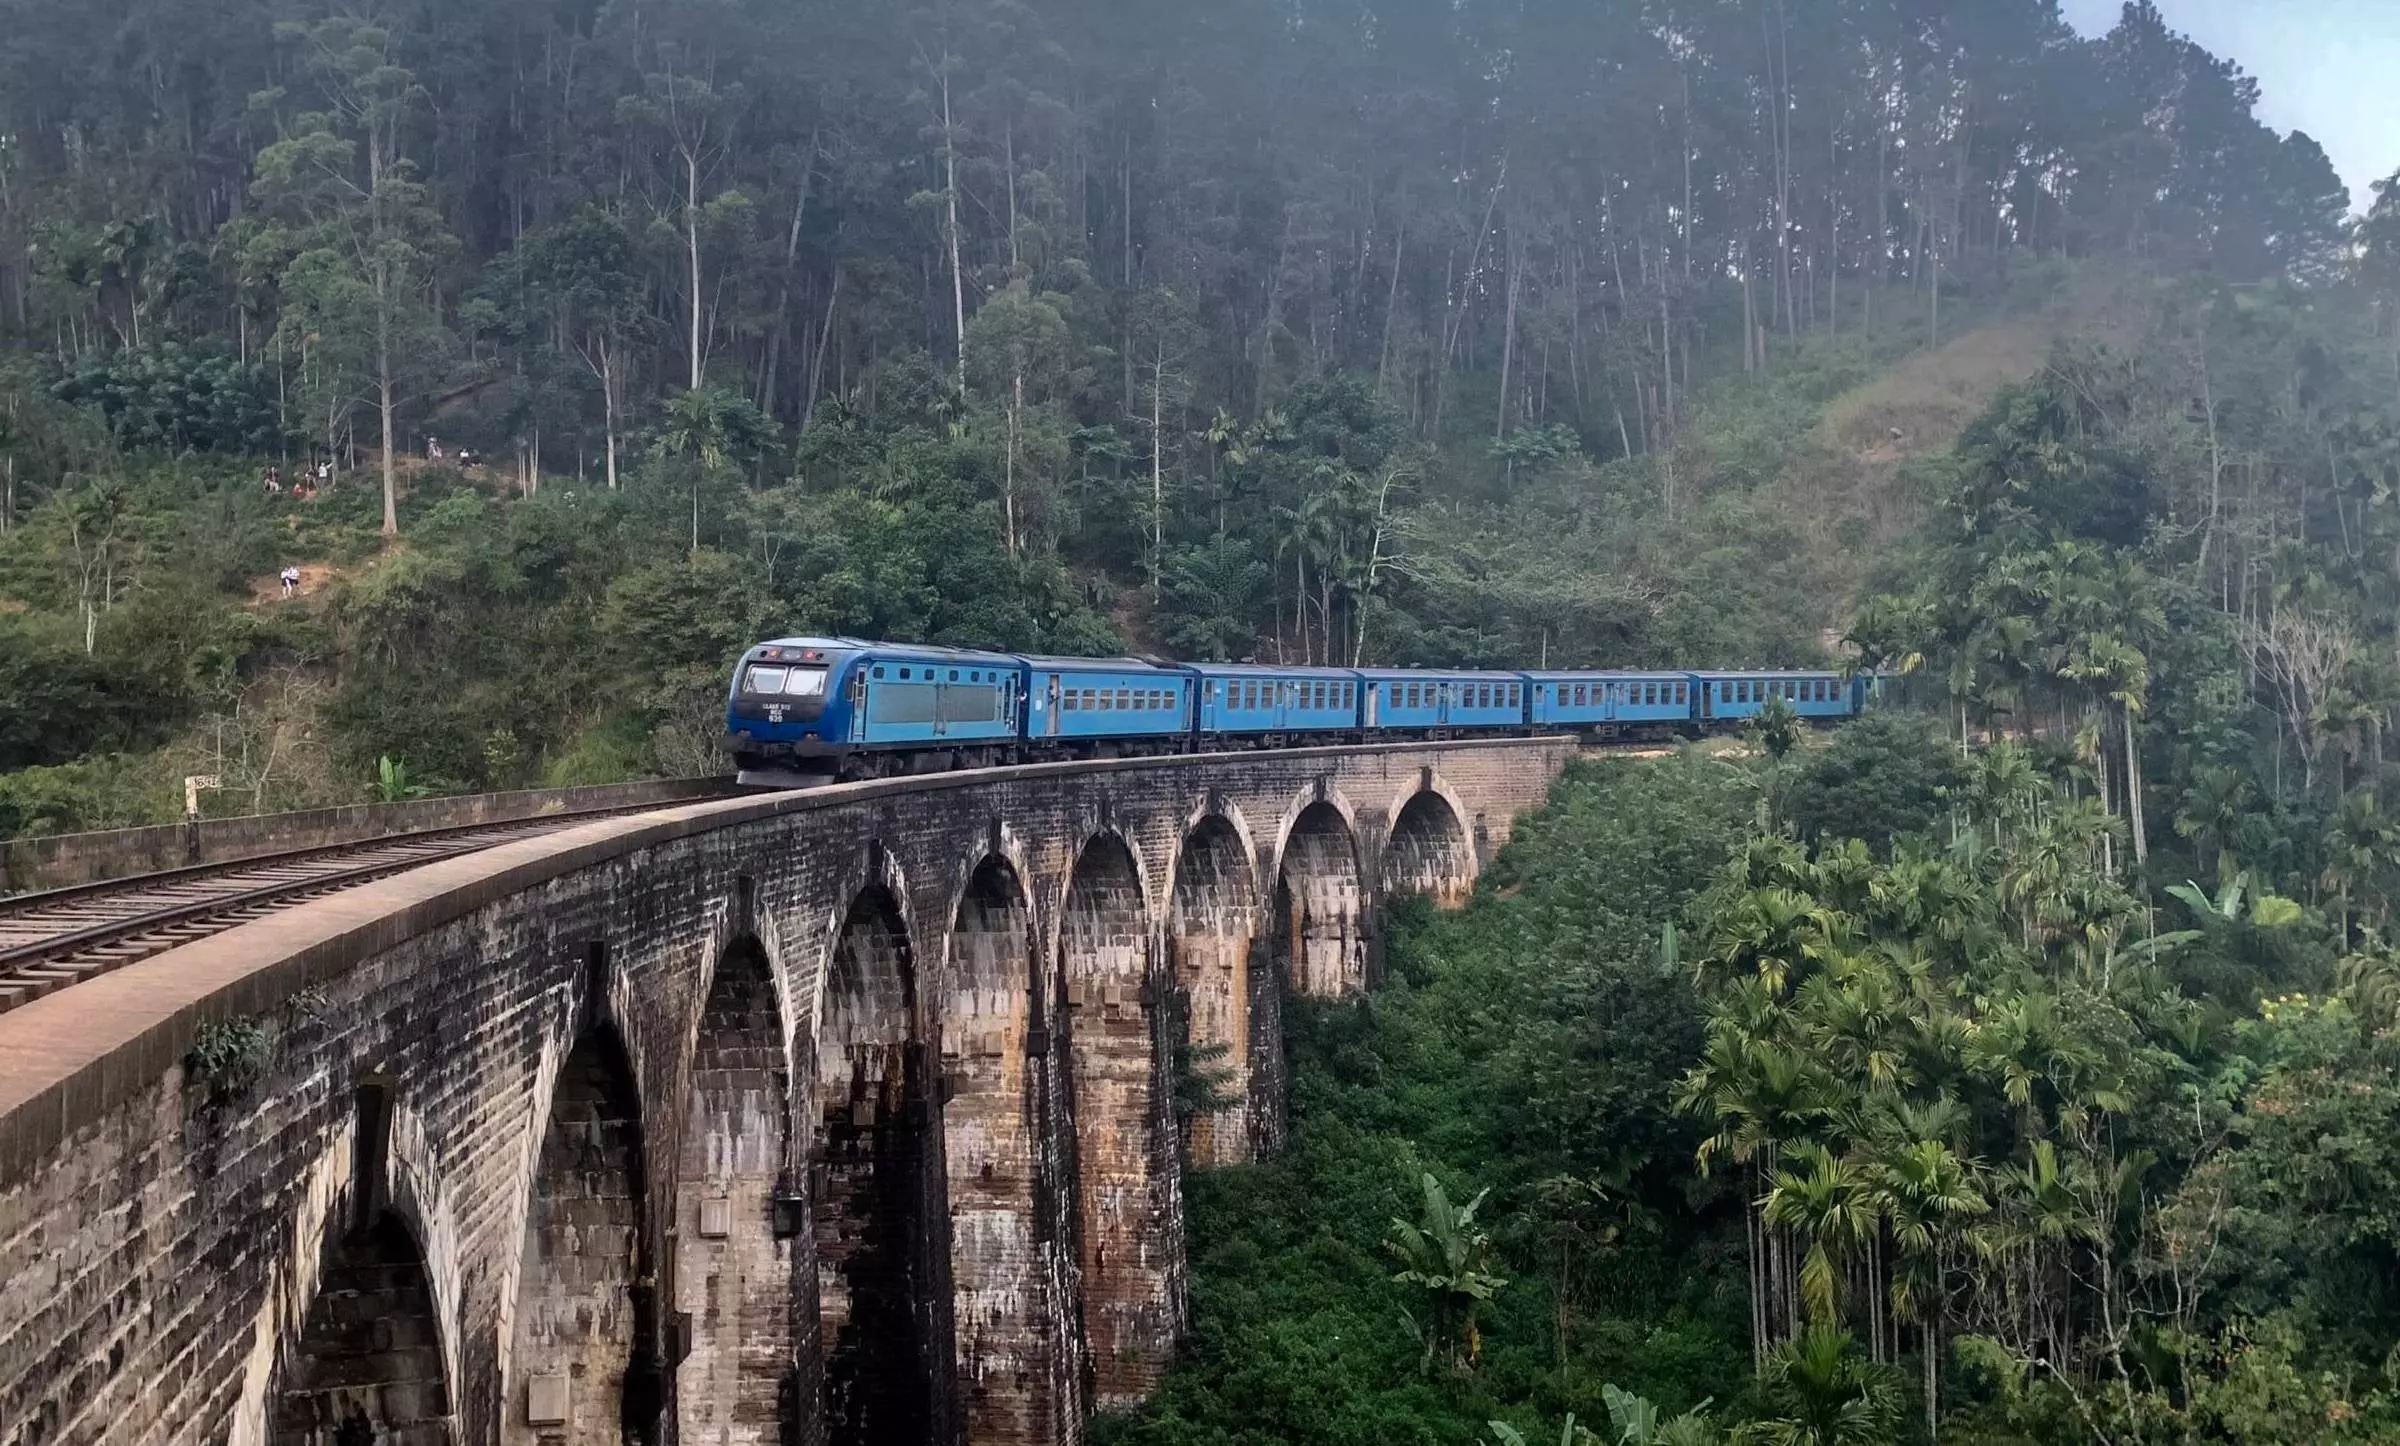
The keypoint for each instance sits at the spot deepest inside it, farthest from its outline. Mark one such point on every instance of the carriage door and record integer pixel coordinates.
(1051, 726)
(1374, 697)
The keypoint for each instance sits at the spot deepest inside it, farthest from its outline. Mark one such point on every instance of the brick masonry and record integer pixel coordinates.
(826, 1117)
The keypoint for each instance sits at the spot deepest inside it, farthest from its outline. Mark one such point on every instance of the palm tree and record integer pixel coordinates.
(1924, 1191)
(2360, 845)
(2212, 813)
(1828, 1203)
(1446, 1255)
(1824, 1394)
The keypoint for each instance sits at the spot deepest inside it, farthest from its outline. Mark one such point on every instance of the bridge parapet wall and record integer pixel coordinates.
(480, 1059)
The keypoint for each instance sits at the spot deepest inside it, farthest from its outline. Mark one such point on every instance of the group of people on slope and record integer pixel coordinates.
(308, 484)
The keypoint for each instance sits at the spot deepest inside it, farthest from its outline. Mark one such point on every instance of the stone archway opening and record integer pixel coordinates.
(1319, 910)
(733, 1266)
(881, 1259)
(1211, 919)
(1127, 1211)
(1008, 1265)
(1429, 853)
(367, 1367)
(581, 1371)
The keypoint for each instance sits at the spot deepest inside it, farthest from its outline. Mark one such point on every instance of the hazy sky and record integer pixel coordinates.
(2327, 67)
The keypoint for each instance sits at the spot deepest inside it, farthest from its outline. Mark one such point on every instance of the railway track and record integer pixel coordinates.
(61, 937)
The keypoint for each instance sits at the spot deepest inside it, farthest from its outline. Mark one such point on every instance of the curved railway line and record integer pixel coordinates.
(60, 937)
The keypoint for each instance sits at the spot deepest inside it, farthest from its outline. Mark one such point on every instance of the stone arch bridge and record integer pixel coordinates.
(854, 1115)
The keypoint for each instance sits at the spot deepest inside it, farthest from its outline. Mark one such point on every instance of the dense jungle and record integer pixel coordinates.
(2015, 1066)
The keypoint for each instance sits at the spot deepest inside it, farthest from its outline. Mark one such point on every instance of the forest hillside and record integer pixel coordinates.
(1426, 332)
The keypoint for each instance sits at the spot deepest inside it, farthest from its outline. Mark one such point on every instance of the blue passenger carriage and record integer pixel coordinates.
(816, 703)
(1611, 702)
(1416, 699)
(1242, 700)
(1733, 697)
(1081, 703)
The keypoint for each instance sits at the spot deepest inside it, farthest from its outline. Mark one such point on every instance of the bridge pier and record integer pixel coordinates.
(733, 1268)
(686, 1126)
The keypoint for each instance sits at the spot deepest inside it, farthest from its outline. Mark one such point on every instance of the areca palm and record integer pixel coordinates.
(2361, 845)
(1829, 1203)
(1924, 1191)
(1824, 1394)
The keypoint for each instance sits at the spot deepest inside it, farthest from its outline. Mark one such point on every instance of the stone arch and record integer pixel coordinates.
(1319, 913)
(876, 1189)
(369, 1365)
(1008, 1264)
(581, 1372)
(733, 1251)
(1212, 919)
(1128, 1211)
(1428, 851)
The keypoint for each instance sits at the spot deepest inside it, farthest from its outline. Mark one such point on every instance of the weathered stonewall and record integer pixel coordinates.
(842, 1116)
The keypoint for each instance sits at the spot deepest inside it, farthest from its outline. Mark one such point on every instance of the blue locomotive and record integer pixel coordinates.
(844, 707)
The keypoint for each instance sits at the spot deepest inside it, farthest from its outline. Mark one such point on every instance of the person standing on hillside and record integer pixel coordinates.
(291, 581)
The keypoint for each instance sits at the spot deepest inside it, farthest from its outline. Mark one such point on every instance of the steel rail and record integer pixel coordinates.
(61, 937)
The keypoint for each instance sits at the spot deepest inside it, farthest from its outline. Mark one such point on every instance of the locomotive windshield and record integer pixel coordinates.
(766, 680)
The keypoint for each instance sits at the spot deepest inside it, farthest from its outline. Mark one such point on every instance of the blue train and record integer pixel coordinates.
(841, 707)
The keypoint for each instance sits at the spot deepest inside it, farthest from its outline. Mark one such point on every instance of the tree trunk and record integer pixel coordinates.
(691, 244)
(608, 406)
(2133, 791)
(383, 406)
(1933, 1379)
(1508, 335)
(816, 369)
(958, 276)
(1008, 485)
(1158, 466)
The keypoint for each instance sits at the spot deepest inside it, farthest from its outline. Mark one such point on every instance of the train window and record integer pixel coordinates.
(954, 675)
(1091, 701)
(1683, 693)
(763, 680)
(1579, 687)
(1073, 705)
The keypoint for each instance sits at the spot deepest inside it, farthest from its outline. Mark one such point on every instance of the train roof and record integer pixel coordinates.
(902, 650)
(1268, 670)
(1404, 674)
(1098, 665)
(1569, 675)
(1767, 673)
